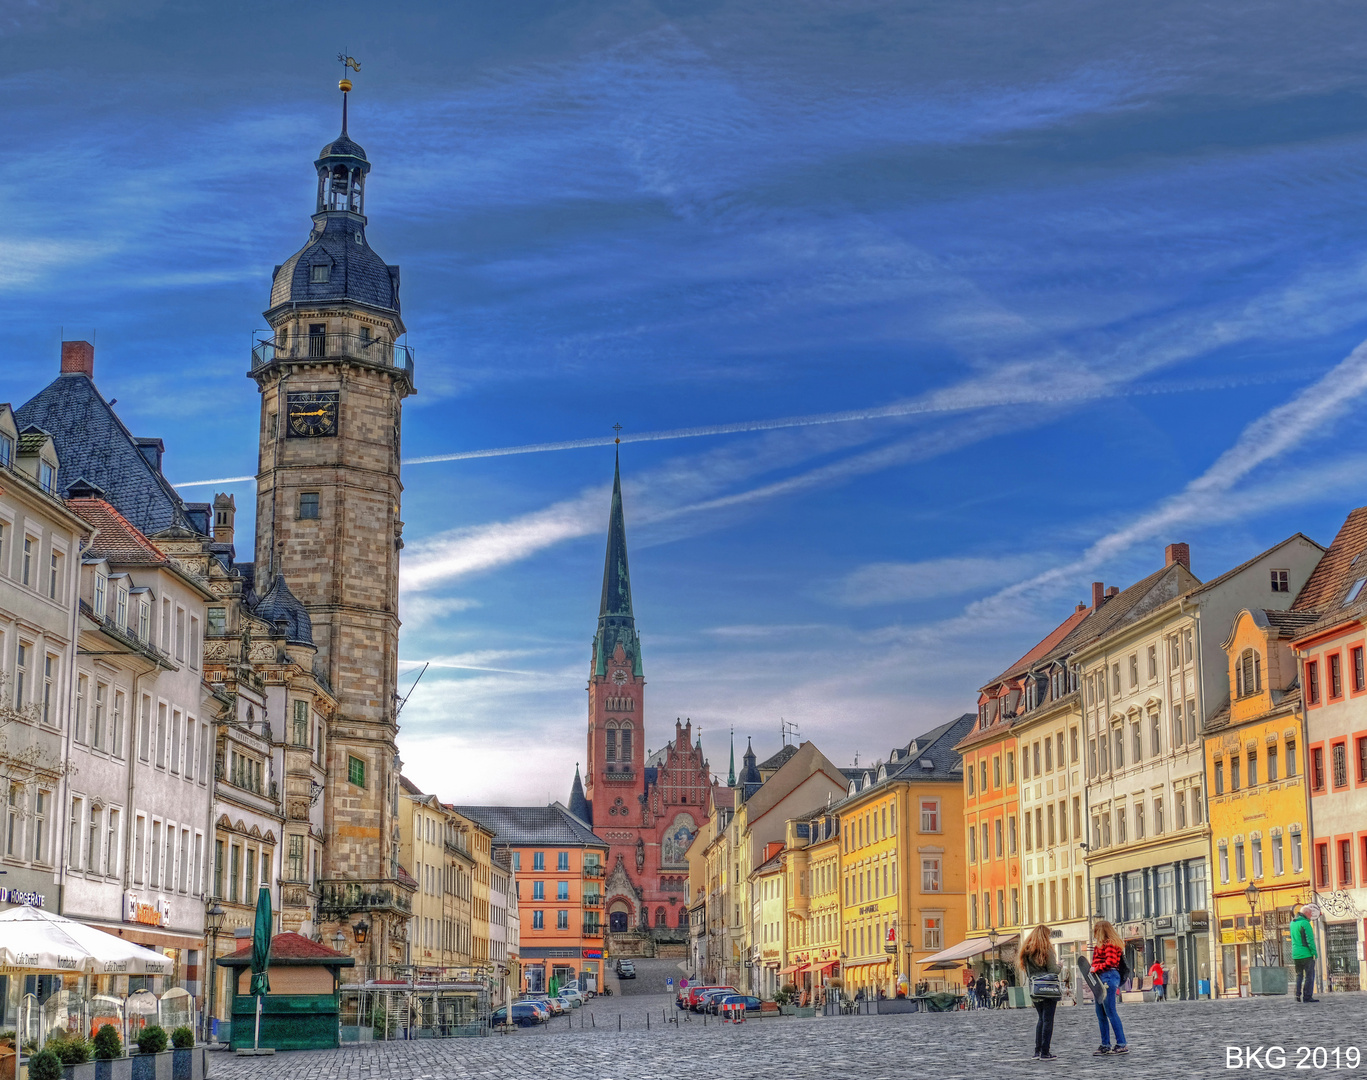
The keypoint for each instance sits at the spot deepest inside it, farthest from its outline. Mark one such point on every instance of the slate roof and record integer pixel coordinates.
(93, 444)
(580, 806)
(1289, 624)
(345, 150)
(357, 274)
(281, 605)
(549, 825)
(937, 746)
(116, 539)
(778, 759)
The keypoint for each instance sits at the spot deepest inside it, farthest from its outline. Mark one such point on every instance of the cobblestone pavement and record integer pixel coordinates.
(1167, 1041)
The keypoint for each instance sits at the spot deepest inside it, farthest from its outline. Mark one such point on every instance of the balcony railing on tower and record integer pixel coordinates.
(302, 347)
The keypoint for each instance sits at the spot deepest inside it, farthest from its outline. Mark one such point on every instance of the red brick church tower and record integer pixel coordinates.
(646, 808)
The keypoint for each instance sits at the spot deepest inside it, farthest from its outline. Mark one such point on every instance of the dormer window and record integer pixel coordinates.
(101, 590)
(320, 273)
(47, 477)
(6, 451)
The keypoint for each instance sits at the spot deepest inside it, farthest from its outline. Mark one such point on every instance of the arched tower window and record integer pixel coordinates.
(625, 741)
(611, 753)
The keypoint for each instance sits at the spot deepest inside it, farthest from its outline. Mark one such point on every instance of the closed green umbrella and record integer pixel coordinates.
(555, 986)
(261, 953)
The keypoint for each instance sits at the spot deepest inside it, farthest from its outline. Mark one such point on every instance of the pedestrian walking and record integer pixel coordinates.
(1108, 965)
(980, 991)
(1159, 981)
(1303, 951)
(1042, 980)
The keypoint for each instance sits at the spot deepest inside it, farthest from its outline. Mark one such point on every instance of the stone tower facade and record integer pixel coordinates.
(646, 806)
(332, 378)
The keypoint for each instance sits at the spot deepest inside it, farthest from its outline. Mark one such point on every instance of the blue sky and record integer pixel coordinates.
(1078, 281)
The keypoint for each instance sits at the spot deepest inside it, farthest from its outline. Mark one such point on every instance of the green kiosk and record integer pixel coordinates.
(302, 1010)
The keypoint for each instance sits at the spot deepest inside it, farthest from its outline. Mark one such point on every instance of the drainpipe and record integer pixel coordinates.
(1303, 722)
(74, 585)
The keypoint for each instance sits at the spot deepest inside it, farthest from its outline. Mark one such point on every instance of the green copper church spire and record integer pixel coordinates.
(616, 620)
(731, 776)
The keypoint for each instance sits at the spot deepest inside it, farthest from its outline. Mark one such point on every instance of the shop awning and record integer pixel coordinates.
(826, 969)
(796, 969)
(970, 948)
(868, 961)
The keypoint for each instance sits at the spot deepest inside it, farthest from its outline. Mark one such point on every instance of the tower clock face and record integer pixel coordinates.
(619, 677)
(309, 416)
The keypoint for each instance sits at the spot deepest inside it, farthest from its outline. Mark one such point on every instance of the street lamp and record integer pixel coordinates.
(992, 937)
(213, 922)
(338, 940)
(1251, 895)
(361, 929)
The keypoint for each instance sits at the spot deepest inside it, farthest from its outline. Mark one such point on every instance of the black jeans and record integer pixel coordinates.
(1305, 972)
(1044, 1026)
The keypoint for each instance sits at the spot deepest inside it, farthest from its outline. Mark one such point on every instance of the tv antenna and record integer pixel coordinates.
(788, 729)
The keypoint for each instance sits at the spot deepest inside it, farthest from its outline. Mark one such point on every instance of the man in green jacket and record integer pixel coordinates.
(1303, 951)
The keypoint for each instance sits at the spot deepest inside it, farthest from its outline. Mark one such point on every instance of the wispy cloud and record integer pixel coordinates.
(898, 582)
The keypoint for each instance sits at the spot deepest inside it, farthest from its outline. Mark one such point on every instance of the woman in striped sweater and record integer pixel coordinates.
(1108, 953)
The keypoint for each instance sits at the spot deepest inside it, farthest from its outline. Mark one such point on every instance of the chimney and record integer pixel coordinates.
(78, 358)
(1098, 594)
(1177, 553)
(1080, 609)
(225, 509)
(1114, 590)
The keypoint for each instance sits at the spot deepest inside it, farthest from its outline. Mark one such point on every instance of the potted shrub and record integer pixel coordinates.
(151, 1042)
(110, 1064)
(74, 1053)
(786, 996)
(45, 1065)
(182, 1053)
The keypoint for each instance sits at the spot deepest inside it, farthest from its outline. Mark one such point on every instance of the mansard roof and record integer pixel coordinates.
(356, 274)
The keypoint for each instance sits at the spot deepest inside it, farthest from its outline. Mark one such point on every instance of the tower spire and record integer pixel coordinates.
(616, 620)
(731, 774)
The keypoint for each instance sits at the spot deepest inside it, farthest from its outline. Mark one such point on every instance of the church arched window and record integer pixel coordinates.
(611, 753)
(624, 740)
(660, 917)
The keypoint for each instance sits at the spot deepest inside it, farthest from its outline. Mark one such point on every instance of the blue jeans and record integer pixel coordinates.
(1106, 1012)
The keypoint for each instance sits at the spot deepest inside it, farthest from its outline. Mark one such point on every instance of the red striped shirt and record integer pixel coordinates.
(1105, 957)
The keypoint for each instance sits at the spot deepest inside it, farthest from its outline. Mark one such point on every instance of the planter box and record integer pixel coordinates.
(152, 1066)
(1267, 980)
(889, 1006)
(804, 1012)
(787, 1010)
(1016, 997)
(114, 1069)
(83, 1071)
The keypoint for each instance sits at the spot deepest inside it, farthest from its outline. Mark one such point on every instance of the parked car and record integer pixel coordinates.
(540, 1003)
(524, 1014)
(626, 969)
(573, 998)
(705, 998)
(710, 1000)
(695, 994)
(752, 1004)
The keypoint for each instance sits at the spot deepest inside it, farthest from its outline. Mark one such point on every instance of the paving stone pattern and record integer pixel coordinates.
(1167, 1041)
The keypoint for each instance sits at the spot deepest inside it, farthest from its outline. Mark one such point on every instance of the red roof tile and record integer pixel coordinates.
(1342, 565)
(118, 539)
(292, 946)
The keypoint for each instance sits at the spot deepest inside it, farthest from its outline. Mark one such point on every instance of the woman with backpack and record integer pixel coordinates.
(1037, 960)
(1108, 965)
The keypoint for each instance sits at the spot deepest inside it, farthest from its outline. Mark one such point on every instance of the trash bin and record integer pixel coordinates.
(1203, 988)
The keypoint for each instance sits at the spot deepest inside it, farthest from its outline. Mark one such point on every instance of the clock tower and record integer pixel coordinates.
(332, 377)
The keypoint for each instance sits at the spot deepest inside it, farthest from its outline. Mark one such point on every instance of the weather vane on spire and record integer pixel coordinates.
(617, 428)
(344, 84)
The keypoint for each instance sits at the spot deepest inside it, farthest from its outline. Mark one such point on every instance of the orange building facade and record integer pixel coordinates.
(558, 868)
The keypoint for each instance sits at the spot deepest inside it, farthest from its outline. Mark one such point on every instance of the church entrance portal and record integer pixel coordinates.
(617, 922)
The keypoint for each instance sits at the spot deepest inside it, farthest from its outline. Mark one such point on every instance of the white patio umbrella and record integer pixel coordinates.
(35, 940)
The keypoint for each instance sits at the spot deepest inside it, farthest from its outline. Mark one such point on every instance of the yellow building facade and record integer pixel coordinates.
(812, 868)
(1260, 837)
(902, 878)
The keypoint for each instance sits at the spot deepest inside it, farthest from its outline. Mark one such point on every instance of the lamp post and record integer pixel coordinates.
(1251, 895)
(213, 922)
(992, 937)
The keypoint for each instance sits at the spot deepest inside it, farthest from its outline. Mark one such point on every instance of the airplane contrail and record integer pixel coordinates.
(1041, 395)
